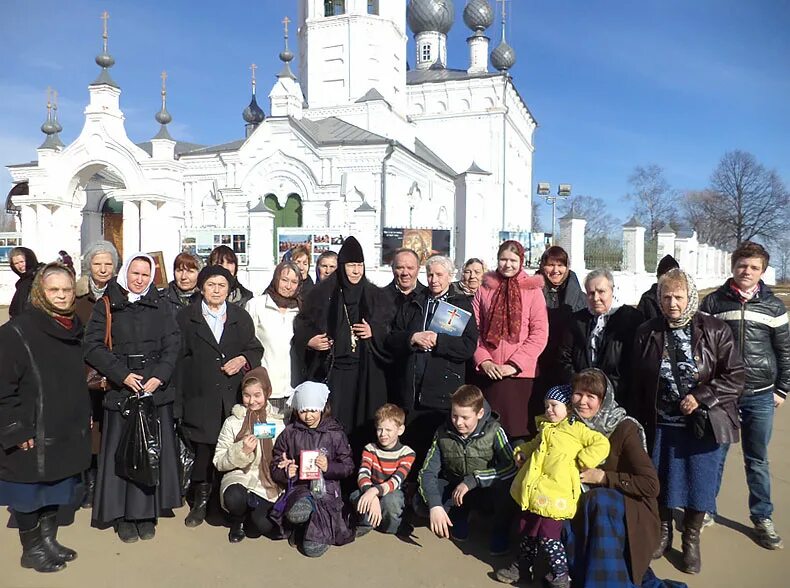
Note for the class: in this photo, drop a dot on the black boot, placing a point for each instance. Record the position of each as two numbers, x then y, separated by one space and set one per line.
197 513
49 534
665 545
236 533
90 487
35 554
692 523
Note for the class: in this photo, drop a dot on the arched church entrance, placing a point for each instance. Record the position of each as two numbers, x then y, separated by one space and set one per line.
102 214
287 216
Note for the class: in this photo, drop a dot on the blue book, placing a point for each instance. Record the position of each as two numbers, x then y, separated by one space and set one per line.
449 320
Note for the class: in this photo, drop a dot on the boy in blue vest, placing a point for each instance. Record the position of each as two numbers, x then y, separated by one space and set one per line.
469 466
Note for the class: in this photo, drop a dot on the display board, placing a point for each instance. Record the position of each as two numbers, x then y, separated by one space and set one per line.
317 241
534 244
7 243
425 242
201 242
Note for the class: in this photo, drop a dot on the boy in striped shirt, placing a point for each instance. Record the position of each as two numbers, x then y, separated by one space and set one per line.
385 465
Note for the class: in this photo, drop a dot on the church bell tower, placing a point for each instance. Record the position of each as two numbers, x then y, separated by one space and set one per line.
348 47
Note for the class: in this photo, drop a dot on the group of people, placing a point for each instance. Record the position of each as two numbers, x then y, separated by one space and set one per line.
323 409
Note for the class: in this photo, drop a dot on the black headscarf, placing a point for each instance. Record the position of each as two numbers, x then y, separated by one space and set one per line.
31 262
348 305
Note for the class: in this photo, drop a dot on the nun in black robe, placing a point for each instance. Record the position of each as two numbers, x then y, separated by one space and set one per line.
353 365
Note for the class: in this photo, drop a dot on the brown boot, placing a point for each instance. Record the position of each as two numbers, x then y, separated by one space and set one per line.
665 544
692 523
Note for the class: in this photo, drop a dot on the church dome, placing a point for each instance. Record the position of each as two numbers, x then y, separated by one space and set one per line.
253 114
478 15
503 57
49 127
163 117
431 15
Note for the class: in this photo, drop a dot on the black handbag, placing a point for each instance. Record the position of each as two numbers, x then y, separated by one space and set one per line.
698 422
137 456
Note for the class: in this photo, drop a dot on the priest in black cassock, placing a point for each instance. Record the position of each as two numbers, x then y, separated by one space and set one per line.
340 332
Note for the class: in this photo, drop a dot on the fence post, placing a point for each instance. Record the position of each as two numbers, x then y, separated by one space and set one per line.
666 243
633 247
572 240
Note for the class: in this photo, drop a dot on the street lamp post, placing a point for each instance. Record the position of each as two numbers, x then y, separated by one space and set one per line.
563 192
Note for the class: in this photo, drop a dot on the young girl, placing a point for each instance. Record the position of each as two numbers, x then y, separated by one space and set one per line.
547 486
313 507
244 451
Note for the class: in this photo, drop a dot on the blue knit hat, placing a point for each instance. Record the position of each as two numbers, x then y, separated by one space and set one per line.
560 394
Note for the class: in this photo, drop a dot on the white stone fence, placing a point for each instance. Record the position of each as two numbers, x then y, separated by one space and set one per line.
709 266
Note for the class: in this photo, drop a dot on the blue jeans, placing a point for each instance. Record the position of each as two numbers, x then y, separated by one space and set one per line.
757 419
392 505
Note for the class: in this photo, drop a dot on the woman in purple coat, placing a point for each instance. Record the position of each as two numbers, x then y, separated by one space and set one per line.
310 457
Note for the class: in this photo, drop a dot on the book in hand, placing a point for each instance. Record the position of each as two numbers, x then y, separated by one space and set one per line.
449 320
308 470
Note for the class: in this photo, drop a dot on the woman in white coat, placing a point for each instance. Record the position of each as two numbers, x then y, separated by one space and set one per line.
273 315
244 453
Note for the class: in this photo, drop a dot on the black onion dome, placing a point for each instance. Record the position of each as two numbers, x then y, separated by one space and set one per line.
431 15
253 114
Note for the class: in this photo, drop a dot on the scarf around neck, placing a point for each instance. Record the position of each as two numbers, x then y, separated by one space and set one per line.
38 297
505 312
96 292
215 320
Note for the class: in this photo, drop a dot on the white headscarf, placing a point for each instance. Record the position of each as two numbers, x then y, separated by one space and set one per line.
309 396
123 276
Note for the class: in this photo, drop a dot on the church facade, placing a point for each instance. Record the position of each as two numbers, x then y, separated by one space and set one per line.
354 142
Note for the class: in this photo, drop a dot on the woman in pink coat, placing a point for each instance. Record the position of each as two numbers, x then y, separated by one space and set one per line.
511 315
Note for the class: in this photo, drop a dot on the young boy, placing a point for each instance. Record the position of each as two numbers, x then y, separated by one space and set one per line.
469 465
385 465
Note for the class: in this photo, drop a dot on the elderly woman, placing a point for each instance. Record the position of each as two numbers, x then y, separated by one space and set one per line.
219 343
273 315
601 335
25 265
226 257
183 290
145 349
44 416
616 528
511 315
471 277
434 357
100 262
688 375
325 266
341 331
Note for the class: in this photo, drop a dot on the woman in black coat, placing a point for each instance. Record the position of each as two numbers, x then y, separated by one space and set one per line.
434 361
25 265
342 329
44 416
145 348
218 343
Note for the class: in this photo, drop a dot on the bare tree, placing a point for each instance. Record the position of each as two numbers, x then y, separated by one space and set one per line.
751 200
655 202
537 221
699 211
600 223
781 257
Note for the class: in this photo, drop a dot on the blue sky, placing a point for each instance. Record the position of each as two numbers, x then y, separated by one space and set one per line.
612 83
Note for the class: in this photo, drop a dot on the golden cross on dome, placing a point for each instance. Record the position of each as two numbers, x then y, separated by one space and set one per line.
49 98
105 16
286 20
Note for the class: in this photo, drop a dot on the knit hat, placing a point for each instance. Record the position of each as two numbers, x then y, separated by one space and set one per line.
214 270
350 252
560 394
667 263
309 396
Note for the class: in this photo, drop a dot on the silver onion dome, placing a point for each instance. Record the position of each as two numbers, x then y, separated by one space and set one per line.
163 117
253 114
503 57
105 60
478 15
49 127
431 15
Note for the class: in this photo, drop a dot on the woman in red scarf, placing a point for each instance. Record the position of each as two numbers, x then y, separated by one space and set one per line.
511 315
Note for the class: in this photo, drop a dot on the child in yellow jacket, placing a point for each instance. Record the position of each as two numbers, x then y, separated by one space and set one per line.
547 486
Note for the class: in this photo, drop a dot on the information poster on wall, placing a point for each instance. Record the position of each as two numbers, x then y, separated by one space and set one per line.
317 241
7 243
534 244
425 242
201 242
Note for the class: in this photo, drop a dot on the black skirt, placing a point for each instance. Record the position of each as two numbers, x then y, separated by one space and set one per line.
117 498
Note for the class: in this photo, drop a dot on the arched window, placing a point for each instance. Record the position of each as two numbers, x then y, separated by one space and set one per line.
289 215
334 7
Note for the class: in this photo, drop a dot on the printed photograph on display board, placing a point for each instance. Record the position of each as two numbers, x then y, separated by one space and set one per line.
6 245
160 271
534 244
425 242
317 242
201 242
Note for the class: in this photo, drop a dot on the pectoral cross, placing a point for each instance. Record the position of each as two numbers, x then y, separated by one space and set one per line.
454 314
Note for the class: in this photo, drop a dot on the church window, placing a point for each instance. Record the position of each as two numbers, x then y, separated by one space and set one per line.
334 7
373 6
426 52
289 215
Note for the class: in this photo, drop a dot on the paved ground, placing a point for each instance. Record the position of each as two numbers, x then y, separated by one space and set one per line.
203 557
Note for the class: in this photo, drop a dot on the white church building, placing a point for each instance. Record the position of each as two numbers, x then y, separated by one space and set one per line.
361 138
